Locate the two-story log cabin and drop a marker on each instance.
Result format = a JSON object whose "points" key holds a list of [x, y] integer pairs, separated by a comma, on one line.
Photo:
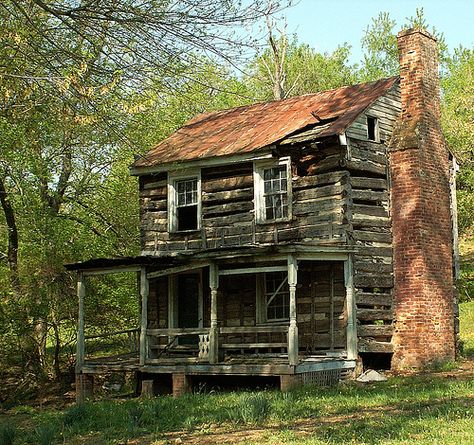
{"points": [[293, 238]]}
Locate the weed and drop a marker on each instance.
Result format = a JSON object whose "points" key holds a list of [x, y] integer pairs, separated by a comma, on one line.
{"points": [[7, 434], [76, 414], [44, 434], [251, 408]]}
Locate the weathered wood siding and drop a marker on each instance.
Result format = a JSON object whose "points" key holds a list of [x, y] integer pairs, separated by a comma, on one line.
{"points": [[319, 199], [369, 210]]}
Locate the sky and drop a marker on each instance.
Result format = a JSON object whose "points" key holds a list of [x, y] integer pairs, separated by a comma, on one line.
{"points": [[325, 24]]}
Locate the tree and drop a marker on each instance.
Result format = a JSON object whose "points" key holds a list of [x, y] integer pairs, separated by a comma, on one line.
{"points": [[287, 68]]}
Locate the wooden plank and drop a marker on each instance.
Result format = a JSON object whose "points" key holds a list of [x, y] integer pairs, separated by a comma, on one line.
{"points": [[328, 190], [368, 345], [366, 235], [374, 314], [366, 166], [253, 345], [384, 330], [373, 280], [320, 179], [179, 332], [223, 184], [253, 329], [369, 195], [177, 269], [373, 299], [351, 310], [368, 183], [252, 270], [236, 207], [228, 195]]}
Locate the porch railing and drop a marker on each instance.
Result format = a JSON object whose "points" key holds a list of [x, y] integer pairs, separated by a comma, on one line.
{"points": [[163, 342]]}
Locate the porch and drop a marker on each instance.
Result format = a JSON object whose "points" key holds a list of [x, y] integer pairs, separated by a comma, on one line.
{"points": [[288, 314]]}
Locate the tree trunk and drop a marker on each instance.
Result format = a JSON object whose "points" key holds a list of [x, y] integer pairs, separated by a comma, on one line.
{"points": [[12, 252]]}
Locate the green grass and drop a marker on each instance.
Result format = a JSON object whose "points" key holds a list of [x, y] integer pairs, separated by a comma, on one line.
{"points": [[429, 408]]}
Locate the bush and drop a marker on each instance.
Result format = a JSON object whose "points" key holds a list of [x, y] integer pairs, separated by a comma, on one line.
{"points": [[44, 434]]}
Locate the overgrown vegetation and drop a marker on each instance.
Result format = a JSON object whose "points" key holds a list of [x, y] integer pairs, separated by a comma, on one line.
{"points": [[73, 113], [423, 407]]}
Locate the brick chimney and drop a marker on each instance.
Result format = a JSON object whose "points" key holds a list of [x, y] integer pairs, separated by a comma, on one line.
{"points": [[421, 215]]}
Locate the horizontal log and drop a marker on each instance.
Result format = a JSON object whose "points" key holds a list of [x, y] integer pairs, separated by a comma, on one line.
{"points": [[368, 183], [237, 207], [369, 210], [320, 179], [155, 192], [366, 266], [373, 280], [214, 221], [155, 184], [326, 164], [365, 235], [366, 166], [384, 330], [370, 221], [319, 192], [369, 195], [368, 155], [368, 345], [373, 299], [374, 314], [228, 195], [222, 184]]}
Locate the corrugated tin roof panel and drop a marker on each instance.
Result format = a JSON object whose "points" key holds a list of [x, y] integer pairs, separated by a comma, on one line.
{"points": [[248, 128]]}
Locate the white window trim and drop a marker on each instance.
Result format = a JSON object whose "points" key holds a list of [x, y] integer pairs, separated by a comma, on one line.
{"points": [[173, 177], [376, 129], [258, 168]]}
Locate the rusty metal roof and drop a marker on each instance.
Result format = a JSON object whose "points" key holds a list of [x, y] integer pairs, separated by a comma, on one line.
{"points": [[249, 128]]}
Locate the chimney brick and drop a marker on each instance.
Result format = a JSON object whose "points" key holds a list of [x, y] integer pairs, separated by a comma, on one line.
{"points": [[421, 215]]}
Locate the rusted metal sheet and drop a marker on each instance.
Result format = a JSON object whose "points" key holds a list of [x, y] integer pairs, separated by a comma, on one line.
{"points": [[249, 128]]}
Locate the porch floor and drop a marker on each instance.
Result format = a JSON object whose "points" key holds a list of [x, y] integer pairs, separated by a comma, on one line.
{"points": [[238, 365]]}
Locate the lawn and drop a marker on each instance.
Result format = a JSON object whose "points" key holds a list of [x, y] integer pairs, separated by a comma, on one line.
{"points": [[428, 408]]}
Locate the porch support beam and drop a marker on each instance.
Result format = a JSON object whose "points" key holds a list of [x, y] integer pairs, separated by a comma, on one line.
{"points": [[293, 347], [80, 347], [144, 291], [351, 310], [177, 269], [214, 331]]}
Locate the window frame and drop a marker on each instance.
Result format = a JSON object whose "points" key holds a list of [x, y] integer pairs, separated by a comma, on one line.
{"points": [[376, 128], [259, 198], [262, 304], [173, 179]]}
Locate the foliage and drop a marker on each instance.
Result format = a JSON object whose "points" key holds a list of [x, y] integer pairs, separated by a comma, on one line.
{"points": [[427, 407], [7, 434], [321, 71]]}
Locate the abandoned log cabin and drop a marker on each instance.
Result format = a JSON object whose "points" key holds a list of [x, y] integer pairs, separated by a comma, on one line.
{"points": [[297, 237]]}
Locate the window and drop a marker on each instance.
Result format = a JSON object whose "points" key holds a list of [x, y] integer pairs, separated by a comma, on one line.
{"points": [[277, 297], [372, 129], [272, 191], [184, 204]]}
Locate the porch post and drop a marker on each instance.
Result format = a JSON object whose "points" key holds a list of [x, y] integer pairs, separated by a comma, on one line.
{"points": [[214, 331], [144, 291], [80, 351], [351, 310], [293, 348]]}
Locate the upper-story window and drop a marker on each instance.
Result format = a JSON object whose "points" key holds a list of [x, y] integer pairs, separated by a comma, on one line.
{"points": [[184, 203], [373, 129], [273, 191]]}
